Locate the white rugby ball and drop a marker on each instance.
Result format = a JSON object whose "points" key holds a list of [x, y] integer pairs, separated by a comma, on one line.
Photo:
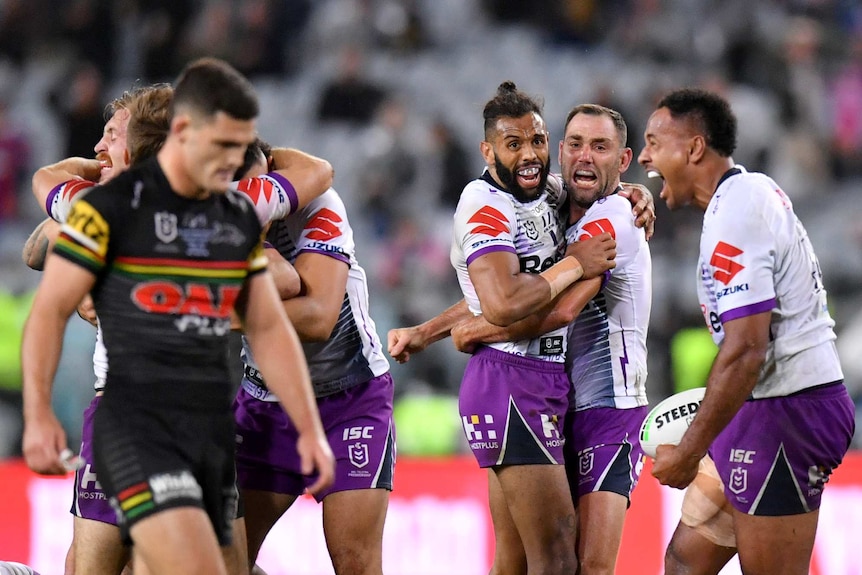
{"points": [[667, 422]]}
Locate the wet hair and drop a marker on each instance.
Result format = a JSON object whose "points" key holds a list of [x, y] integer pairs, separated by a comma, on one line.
{"points": [[597, 110], [252, 155], [708, 113], [208, 85], [149, 122], [509, 102]]}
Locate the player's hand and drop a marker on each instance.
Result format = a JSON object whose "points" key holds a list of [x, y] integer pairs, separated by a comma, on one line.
{"points": [[44, 441], [403, 341], [675, 467], [596, 254], [461, 338], [87, 311], [316, 457], [643, 206]]}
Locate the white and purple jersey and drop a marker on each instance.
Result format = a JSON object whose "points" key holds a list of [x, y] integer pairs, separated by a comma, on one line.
{"points": [[606, 358], [272, 194], [353, 354], [755, 256], [490, 219]]}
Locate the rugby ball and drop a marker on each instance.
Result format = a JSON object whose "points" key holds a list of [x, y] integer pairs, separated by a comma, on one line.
{"points": [[667, 422]]}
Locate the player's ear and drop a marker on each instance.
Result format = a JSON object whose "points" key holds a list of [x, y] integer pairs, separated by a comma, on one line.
{"points": [[487, 152], [697, 148]]}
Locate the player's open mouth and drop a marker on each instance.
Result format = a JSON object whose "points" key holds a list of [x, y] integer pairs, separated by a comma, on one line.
{"points": [[585, 177], [529, 177]]}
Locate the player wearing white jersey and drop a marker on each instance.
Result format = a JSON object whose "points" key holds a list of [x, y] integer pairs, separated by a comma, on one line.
{"points": [[96, 546], [776, 418], [508, 234], [606, 336], [354, 393]]}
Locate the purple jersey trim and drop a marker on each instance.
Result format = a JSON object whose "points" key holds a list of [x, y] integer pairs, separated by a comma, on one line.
{"points": [[488, 250], [49, 201], [334, 255], [288, 188], [267, 245], [747, 310]]}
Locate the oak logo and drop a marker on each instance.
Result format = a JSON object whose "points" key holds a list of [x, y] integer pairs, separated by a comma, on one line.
{"points": [[722, 260], [489, 222], [597, 227], [323, 226], [195, 299]]}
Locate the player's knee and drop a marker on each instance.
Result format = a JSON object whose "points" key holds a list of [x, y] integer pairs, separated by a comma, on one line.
{"points": [[590, 565], [354, 560]]}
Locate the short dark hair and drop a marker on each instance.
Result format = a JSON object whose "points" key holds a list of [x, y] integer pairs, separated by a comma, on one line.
{"points": [[597, 110], [149, 122], [210, 85], [708, 112], [251, 157], [509, 102]]}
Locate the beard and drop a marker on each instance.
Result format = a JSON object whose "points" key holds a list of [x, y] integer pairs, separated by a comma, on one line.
{"points": [[510, 182]]}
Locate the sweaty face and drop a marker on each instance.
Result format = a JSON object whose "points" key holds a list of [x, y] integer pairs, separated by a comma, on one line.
{"points": [[214, 149], [592, 158], [111, 149], [519, 155], [665, 155]]}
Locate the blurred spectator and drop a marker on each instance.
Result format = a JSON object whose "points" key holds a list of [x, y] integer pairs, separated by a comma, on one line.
{"points": [[398, 25], [267, 36], [80, 107], [453, 169], [389, 168], [14, 152], [13, 312], [89, 26], [163, 24], [350, 97], [847, 114]]}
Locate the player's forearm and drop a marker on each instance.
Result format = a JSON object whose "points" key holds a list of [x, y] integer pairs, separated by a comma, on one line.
{"points": [[41, 347], [440, 326], [732, 378], [48, 177], [39, 243], [313, 320], [309, 175], [285, 276]]}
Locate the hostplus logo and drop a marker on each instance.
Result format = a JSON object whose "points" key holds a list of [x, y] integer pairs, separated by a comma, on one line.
{"points": [[479, 432]]}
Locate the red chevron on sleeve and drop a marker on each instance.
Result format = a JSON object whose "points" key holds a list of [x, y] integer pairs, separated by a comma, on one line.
{"points": [[73, 187], [324, 225], [722, 260], [597, 227], [255, 188], [490, 222]]}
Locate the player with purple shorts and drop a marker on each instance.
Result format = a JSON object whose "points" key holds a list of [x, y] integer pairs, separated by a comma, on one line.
{"points": [[776, 418], [606, 322], [354, 393]]}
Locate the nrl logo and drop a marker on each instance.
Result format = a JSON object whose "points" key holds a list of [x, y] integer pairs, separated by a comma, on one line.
{"points": [[166, 226], [358, 454]]}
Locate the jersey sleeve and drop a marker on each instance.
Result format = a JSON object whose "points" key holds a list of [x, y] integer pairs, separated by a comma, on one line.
{"points": [[484, 222], [325, 228], [59, 200], [272, 195], [85, 235], [613, 215], [257, 259], [738, 251]]}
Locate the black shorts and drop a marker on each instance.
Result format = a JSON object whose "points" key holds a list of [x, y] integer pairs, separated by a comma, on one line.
{"points": [[149, 459]]}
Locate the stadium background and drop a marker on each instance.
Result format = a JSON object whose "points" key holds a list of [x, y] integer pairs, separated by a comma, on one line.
{"points": [[391, 92]]}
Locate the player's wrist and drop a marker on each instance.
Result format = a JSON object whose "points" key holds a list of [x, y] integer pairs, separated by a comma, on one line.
{"points": [[563, 274]]}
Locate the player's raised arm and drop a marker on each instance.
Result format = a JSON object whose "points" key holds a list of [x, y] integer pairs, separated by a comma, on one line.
{"points": [[310, 175]]}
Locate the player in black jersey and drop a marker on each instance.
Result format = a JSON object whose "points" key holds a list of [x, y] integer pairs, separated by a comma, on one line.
{"points": [[167, 252]]}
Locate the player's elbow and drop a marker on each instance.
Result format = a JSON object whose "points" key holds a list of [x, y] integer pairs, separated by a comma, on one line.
{"points": [[501, 315]]}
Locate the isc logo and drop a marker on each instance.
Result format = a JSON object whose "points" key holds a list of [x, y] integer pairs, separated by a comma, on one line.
{"points": [[741, 456], [357, 433]]}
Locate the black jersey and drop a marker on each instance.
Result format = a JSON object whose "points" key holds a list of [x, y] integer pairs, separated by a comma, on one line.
{"points": [[169, 270]]}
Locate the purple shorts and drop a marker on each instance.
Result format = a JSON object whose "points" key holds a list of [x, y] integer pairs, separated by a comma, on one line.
{"points": [[512, 408], [89, 501], [602, 450], [359, 427], [776, 454]]}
